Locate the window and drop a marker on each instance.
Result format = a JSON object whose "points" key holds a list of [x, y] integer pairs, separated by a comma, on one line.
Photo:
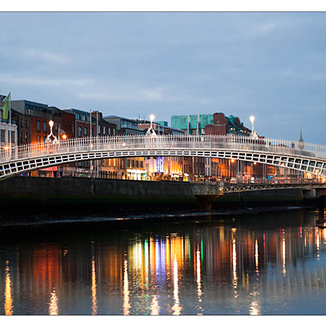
{"points": [[21, 137], [85, 131], [3, 136], [80, 132], [38, 125], [26, 137], [44, 126], [21, 122], [26, 124], [38, 139], [13, 136]]}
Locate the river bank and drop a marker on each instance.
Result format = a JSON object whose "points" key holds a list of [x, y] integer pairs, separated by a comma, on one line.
{"points": [[42, 200]]}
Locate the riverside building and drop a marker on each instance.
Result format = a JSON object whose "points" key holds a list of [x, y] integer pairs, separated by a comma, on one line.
{"points": [[216, 168]]}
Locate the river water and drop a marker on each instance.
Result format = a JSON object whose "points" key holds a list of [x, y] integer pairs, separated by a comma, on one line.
{"points": [[267, 263]]}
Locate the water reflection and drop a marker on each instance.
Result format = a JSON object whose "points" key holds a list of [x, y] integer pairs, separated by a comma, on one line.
{"points": [[126, 305], [176, 308], [94, 299], [234, 263], [8, 298], [198, 279], [283, 255], [209, 267], [53, 306]]}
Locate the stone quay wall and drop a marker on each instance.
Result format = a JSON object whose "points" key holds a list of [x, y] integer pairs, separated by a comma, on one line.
{"points": [[68, 196]]}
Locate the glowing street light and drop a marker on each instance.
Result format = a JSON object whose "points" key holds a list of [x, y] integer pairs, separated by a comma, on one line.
{"points": [[62, 135], [48, 138], [150, 131], [252, 119], [253, 133], [152, 117]]}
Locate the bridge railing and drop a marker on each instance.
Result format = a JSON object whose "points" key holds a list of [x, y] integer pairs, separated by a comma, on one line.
{"points": [[191, 142]]}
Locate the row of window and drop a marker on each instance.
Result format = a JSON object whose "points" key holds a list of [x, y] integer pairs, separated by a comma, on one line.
{"points": [[4, 136], [85, 133], [42, 126], [135, 164], [38, 126], [26, 123]]}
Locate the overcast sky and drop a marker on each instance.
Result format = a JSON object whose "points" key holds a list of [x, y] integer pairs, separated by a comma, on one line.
{"points": [[270, 65]]}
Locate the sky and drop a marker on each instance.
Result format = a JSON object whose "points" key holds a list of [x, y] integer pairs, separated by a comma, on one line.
{"points": [[268, 64]]}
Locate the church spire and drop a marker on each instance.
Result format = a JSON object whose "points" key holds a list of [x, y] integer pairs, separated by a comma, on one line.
{"points": [[301, 142]]}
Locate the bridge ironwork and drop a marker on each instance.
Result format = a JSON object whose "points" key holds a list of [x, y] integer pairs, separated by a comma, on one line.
{"points": [[281, 153], [253, 187]]}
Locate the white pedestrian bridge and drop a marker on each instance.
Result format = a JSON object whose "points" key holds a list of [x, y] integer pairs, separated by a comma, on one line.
{"points": [[290, 154]]}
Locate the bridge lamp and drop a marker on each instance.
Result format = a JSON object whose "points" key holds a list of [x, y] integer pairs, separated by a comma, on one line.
{"points": [[232, 160], [64, 136], [252, 119], [152, 117]]}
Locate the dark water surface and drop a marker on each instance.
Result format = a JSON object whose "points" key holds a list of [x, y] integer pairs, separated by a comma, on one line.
{"points": [[264, 263]]}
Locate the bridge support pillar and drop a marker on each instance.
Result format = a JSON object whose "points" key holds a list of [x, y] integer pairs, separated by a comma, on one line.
{"points": [[206, 201]]}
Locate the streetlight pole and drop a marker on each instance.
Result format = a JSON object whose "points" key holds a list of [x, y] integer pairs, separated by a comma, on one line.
{"points": [[150, 131], [50, 135], [253, 132]]}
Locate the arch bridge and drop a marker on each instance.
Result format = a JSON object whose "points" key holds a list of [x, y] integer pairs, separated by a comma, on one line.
{"points": [[281, 153]]}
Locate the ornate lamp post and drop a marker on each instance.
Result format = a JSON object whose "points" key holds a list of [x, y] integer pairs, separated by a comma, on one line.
{"points": [[253, 133], [150, 131], [62, 134], [50, 135]]}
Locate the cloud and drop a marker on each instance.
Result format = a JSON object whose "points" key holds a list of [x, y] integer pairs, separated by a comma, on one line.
{"points": [[267, 27], [48, 57], [45, 81], [171, 63]]}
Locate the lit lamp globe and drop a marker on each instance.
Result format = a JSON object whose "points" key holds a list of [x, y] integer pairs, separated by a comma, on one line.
{"points": [[252, 119], [253, 133]]}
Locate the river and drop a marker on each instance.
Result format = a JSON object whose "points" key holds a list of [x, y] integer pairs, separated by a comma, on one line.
{"points": [[264, 263]]}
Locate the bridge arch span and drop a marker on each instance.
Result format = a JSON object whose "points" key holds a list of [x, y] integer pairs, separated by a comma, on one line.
{"points": [[275, 153]]}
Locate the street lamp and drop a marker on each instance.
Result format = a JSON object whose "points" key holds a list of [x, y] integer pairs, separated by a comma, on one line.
{"points": [[62, 134], [252, 119], [48, 138], [150, 131], [253, 133]]}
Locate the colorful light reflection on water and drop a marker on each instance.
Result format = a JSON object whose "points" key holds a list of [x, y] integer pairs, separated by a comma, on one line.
{"points": [[212, 266]]}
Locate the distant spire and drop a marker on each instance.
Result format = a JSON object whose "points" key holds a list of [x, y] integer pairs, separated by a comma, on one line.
{"points": [[301, 142], [301, 139]]}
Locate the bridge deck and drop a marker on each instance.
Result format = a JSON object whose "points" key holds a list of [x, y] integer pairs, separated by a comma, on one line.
{"points": [[287, 154]]}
